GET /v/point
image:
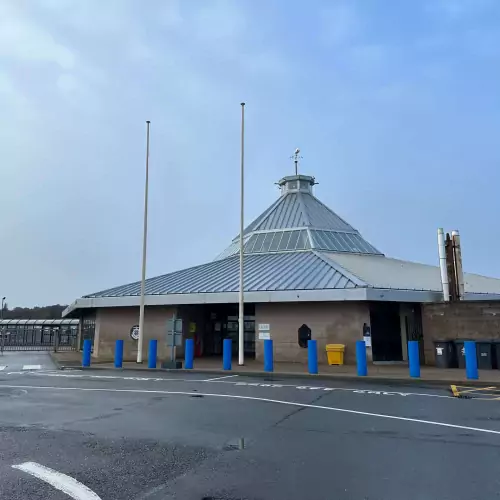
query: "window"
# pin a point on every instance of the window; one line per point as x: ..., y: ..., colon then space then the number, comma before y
x: 276, y: 241
x: 301, y: 243
x: 251, y: 243
x: 332, y: 242
x: 284, y: 241
x: 258, y: 243
x: 319, y: 241
x: 294, y: 238
x: 344, y: 243
x: 355, y: 243
x: 267, y: 242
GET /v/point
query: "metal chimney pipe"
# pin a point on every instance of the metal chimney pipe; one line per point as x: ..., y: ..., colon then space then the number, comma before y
x: 457, y: 253
x: 442, y: 265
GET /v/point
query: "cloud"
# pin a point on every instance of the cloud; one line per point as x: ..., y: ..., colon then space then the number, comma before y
x: 21, y: 40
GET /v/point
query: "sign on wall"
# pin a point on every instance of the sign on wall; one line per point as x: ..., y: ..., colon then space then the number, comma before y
x: 367, y: 335
x: 264, y: 331
x: 134, y: 332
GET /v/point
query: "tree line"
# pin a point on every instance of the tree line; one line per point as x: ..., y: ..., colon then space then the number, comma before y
x: 44, y: 312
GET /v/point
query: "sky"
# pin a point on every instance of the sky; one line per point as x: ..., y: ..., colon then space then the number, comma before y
x: 394, y: 105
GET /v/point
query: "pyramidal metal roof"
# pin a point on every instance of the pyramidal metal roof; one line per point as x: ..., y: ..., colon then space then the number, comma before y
x: 283, y: 248
x: 297, y: 220
x: 262, y: 272
x: 298, y: 249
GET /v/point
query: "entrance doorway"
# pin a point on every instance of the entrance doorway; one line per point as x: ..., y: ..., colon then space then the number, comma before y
x: 221, y: 322
x: 386, y: 331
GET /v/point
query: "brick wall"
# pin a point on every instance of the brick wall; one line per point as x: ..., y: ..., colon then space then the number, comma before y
x: 459, y: 320
x: 115, y: 323
x: 330, y: 322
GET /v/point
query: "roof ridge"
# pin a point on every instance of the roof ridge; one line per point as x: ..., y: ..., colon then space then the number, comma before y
x: 348, y: 274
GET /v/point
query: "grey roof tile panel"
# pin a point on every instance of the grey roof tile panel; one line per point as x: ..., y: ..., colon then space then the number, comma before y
x: 320, y: 216
x: 384, y: 272
x: 272, y: 272
x: 253, y: 226
x: 299, y: 210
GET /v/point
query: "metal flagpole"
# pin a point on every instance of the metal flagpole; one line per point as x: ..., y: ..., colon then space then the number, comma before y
x: 144, y: 247
x: 241, y: 315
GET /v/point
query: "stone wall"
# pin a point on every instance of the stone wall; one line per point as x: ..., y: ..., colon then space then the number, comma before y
x: 330, y: 322
x: 459, y: 320
x: 115, y: 323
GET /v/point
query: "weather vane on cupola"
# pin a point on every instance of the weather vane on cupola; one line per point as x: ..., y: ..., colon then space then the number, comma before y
x: 296, y: 159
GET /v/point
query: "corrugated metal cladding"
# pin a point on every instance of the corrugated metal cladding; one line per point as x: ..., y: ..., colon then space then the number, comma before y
x: 39, y: 322
x: 299, y: 210
x: 263, y: 272
x: 321, y: 217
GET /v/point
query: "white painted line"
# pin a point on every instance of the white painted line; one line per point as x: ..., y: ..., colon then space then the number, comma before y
x: 32, y: 367
x: 218, y: 378
x: 250, y: 398
x: 149, y: 379
x: 251, y: 384
x: 59, y: 481
x: 324, y: 388
x: 2, y: 367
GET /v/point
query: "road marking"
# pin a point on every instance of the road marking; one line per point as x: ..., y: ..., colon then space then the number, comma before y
x: 32, y: 367
x: 2, y: 367
x: 218, y: 378
x: 251, y: 384
x: 59, y: 481
x: 148, y: 379
x: 251, y: 398
x: 356, y: 391
x: 477, y: 389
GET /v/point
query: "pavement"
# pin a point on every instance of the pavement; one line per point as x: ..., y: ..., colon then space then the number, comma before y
x: 25, y: 360
x: 107, y: 435
x: 394, y: 373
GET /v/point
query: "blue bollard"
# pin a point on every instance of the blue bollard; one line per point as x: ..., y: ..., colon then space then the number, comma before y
x: 227, y: 354
x: 153, y: 349
x: 87, y: 348
x: 268, y: 356
x: 188, y: 354
x: 118, y: 353
x: 361, y: 358
x: 471, y: 360
x: 414, y: 358
x: 312, y: 356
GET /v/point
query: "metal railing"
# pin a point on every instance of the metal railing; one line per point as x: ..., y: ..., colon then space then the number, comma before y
x: 38, y: 339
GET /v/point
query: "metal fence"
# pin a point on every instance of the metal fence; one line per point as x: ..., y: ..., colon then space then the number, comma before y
x: 38, y: 335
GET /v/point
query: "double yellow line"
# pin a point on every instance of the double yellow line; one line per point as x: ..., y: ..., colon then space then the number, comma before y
x: 467, y: 390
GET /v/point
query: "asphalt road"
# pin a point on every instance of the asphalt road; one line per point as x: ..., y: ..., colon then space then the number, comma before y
x: 25, y: 360
x: 129, y: 435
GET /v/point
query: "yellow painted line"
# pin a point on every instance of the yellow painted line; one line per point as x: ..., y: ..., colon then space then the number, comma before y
x: 477, y: 389
x: 454, y: 390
